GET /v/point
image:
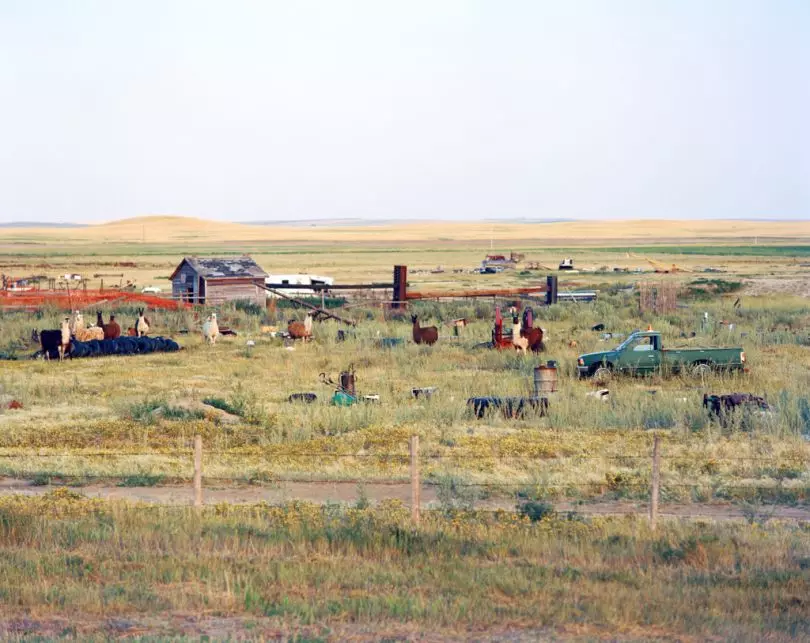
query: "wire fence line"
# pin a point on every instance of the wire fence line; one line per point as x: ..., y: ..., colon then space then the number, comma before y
x: 428, y: 456
x: 414, y: 458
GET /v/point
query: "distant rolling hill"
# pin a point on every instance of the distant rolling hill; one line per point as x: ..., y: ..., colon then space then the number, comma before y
x: 40, y: 224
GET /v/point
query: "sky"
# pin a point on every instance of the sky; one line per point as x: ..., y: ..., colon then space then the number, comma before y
x: 440, y: 109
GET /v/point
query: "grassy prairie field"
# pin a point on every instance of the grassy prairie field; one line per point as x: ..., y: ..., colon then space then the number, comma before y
x: 128, y: 422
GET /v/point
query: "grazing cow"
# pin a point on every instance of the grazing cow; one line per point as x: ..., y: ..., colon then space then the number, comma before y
x: 428, y: 335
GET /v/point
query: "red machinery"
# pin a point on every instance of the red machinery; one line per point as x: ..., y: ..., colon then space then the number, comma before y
x: 501, y: 339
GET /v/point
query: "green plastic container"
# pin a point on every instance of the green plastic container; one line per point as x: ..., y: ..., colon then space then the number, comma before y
x: 343, y: 399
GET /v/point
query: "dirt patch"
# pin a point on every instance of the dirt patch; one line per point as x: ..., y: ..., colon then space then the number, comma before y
x: 796, y: 286
x: 242, y: 628
x: 351, y: 492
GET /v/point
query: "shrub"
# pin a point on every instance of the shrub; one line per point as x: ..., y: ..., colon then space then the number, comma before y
x: 536, y: 511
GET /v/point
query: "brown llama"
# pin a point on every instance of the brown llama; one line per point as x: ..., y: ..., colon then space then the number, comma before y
x: 301, y: 330
x: 428, y: 335
x: 535, y: 339
x: 111, y: 330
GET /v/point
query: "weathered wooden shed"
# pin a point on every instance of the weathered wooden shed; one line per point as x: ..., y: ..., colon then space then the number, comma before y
x: 214, y: 280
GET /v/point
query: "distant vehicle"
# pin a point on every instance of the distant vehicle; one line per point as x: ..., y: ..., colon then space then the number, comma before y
x: 643, y: 352
x: 502, y: 261
x: 151, y: 290
x: 567, y: 264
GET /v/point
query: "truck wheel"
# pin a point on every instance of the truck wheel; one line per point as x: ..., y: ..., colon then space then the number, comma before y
x: 701, y: 370
x: 602, y: 374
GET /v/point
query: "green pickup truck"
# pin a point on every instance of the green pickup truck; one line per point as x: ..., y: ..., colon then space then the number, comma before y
x: 643, y: 352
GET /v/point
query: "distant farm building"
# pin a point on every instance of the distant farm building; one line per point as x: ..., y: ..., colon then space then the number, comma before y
x: 304, y: 281
x: 215, y: 280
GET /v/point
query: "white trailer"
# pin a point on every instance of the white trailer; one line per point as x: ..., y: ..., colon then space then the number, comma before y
x: 298, y: 280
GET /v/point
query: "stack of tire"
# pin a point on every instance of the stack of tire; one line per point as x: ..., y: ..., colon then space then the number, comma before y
x: 123, y: 346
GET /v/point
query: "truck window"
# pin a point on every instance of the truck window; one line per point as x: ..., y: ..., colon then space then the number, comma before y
x: 641, y: 344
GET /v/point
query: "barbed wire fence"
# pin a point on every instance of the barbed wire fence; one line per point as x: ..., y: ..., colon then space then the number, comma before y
x: 413, y: 460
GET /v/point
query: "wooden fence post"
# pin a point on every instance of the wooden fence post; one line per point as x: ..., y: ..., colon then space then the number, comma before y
x: 655, y: 482
x: 198, y: 499
x: 415, y: 488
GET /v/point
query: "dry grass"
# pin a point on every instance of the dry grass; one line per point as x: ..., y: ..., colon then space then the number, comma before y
x: 163, y: 229
x: 460, y: 573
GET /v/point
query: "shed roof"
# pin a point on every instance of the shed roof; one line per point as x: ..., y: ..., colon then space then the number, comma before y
x: 223, y: 267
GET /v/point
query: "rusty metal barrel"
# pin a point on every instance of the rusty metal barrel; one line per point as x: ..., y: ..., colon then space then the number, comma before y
x: 347, y: 383
x: 545, y: 379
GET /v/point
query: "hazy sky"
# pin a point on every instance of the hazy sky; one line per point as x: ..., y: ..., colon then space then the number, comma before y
x: 439, y: 109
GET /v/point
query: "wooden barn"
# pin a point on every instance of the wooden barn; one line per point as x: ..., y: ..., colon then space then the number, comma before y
x: 214, y: 280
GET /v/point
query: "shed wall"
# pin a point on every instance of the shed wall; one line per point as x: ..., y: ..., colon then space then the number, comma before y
x: 222, y: 290
x: 185, y: 283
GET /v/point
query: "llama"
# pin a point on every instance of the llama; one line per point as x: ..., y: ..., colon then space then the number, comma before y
x: 112, y: 330
x: 521, y: 343
x: 64, y: 344
x: 535, y: 338
x: 142, y: 325
x: 81, y: 332
x: 76, y: 322
x: 299, y: 330
x: 210, y: 329
x: 89, y: 334
x: 428, y: 335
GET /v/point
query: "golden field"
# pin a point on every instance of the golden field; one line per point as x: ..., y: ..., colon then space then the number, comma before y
x: 125, y: 425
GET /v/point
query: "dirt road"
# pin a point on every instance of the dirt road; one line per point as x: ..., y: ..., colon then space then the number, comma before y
x: 350, y: 492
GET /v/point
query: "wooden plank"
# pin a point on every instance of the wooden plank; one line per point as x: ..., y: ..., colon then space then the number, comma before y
x: 320, y: 311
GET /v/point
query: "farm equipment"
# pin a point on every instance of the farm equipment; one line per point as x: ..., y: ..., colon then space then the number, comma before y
x: 501, y: 338
x: 345, y: 392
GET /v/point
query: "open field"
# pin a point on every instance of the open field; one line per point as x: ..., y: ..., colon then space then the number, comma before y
x: 77, y: 568
x: 128, y: 423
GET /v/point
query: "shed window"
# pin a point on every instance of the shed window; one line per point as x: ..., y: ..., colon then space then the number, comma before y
x: 182, y: 277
